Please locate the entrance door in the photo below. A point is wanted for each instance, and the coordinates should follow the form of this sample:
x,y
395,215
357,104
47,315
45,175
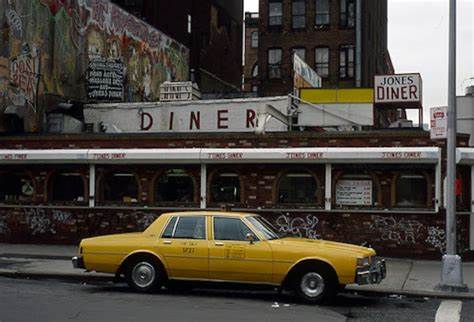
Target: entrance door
x,y
233,258
185,247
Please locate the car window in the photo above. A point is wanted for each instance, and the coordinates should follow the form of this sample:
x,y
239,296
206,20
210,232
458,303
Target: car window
x,y
191,228
230,229
168,233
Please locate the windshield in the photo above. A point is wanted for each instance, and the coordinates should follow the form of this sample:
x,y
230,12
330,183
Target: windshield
x,y
264,227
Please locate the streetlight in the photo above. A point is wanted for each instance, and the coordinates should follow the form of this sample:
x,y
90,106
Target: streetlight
x,y
451,275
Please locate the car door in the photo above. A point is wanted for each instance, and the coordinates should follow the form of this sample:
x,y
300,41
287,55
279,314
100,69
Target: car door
x,y
184,246
233,258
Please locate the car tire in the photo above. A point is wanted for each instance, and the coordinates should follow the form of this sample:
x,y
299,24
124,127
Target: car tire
x,y
144,275
316,285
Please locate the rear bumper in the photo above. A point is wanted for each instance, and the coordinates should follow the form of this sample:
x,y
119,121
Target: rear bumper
x,y
78,262
373,274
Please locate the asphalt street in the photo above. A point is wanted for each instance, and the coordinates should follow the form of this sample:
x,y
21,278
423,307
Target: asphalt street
x,y
54,300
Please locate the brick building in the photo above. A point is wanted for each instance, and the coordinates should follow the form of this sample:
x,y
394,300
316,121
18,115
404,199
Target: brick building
x,y
211,29
251,80
328,35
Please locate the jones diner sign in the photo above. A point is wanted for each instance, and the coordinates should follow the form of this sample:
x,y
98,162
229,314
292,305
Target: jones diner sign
x,y
403,89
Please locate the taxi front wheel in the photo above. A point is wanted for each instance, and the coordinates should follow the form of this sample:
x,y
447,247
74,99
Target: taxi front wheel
x,y
315,285
143,275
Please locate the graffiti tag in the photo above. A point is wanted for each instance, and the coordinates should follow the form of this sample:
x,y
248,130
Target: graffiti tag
x,y
402,231
301,227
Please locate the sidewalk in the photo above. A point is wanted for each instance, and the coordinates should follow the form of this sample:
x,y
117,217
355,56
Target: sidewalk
x,y
404,276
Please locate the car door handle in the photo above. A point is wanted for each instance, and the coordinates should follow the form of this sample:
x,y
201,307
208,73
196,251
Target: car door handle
x,y
219,244
167,242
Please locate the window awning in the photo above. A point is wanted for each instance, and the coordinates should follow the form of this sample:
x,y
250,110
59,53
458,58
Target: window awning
x,y
219,156
465,156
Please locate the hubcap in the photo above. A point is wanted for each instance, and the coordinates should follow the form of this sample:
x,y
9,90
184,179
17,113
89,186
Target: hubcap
x,y
143,274
312,284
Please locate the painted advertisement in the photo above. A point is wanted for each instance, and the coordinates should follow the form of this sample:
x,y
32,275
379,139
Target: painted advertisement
x,y
239,115
354,192
398,88
46,47
105,79
304,75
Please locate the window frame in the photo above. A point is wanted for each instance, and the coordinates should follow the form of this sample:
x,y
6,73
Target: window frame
x,y
324,14
294,50
160,174
175,227
348,65
328,63
101,186
253,41
248,225
50,187
318,204
429,193
254,74
270,16
274,66
344,17
299,15
216,174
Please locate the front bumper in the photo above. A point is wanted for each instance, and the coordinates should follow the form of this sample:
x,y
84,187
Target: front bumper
x,y
78,262
372,274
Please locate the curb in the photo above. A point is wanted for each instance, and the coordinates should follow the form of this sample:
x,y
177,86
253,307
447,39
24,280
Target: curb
x,y
413,293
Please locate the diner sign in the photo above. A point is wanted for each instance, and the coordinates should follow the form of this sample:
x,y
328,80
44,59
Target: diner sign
x,y
398,88
354,192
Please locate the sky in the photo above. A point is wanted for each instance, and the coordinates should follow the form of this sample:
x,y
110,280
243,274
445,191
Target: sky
x,y
418,42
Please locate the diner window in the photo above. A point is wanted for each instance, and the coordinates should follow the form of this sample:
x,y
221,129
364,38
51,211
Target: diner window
x,y
255,70
322,61
298,11
274,63
297,188
301,52
14,188
120,187
355,190
411,191
347,13
346,61
225,187
67,186
322,13
174,185
275,13
254,39
230,229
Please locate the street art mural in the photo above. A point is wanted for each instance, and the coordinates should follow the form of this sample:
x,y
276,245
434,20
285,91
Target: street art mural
x,y
46,47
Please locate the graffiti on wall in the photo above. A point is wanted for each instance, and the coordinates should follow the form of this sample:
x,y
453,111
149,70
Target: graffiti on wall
x,y
298,226
63,35
39,222
401,231
437,238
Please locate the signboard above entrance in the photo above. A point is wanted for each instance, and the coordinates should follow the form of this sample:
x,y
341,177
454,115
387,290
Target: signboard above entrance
x,y
404,90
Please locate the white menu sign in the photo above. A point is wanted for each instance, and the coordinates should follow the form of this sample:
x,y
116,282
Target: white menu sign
x,y
439,123
354,192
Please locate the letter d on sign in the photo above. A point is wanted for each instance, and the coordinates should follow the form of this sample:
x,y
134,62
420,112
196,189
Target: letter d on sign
x,y
146,121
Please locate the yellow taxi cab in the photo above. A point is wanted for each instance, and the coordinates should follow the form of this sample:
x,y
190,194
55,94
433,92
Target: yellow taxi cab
x,y
229,247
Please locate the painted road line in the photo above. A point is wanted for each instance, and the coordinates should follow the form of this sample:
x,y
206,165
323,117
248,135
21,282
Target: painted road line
x,y
449,311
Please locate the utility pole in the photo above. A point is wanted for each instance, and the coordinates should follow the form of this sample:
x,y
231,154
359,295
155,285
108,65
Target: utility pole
x,y
451,275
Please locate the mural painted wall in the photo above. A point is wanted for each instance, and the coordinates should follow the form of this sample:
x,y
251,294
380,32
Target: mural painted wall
x,y
46,47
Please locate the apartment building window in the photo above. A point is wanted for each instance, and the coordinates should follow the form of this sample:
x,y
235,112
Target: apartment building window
x,y
301,52
298,9
346,61
322,13
275,13
321,55
255,70
347,13
274,63
254,39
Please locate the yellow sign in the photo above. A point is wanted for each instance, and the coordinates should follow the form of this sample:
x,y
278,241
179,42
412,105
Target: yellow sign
x,y
334,96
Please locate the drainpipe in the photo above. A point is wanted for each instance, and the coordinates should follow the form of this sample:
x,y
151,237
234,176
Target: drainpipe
x,y
358,53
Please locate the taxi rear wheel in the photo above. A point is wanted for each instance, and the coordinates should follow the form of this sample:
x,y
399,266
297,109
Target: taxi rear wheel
x,y
315,285
143,275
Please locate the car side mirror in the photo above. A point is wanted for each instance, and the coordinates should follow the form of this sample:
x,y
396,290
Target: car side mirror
x,y
250,237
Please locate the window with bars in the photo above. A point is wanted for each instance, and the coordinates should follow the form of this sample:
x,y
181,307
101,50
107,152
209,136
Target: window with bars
x,y
298,11
274,63
347,13
321,55
346,61
275,13
322,17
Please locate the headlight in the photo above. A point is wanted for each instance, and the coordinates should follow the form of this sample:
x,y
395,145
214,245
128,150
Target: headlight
x,y
363,262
